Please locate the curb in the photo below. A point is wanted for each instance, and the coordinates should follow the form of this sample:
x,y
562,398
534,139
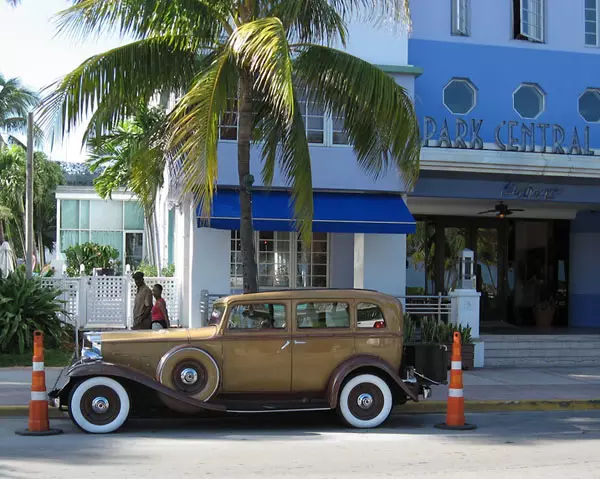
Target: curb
x,y
425,407
439,407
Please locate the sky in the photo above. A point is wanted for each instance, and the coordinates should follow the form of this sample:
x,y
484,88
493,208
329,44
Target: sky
x,y
31,51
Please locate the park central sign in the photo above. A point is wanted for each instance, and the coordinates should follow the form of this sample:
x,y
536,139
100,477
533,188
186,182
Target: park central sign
x,y
509,136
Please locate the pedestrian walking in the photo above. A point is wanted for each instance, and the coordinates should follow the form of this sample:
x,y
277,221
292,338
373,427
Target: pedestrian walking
x,y
142,307
160,315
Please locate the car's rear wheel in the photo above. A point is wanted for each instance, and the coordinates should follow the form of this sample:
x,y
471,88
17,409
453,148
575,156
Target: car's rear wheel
x,y
99,405
365,401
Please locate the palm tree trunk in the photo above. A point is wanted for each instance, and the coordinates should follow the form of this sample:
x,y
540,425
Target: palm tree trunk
x,y
246,230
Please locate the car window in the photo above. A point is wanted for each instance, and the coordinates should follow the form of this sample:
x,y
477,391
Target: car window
x,y
255,316
369,315
217,314
323,315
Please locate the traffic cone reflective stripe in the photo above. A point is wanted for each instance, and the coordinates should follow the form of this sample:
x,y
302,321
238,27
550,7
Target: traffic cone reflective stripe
x,y
38,424
455,415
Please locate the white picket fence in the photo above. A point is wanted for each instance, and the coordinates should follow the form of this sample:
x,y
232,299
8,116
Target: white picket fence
x,y
99,302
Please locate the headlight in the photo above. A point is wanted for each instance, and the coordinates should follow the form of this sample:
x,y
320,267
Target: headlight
x,y
92,346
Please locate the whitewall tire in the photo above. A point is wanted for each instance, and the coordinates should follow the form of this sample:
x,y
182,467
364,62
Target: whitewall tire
x,y
99,405
365,401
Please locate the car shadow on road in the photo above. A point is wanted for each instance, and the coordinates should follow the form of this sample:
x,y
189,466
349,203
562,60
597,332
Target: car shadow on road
x,y
76,447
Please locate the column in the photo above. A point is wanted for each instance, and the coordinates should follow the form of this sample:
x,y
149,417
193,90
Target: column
x,y
380,263
584,271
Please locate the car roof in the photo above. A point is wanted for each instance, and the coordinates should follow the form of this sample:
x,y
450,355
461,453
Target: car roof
x,y
309,293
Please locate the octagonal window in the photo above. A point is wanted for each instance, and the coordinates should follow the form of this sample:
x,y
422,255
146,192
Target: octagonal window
x,y
460,96
589,105
529,101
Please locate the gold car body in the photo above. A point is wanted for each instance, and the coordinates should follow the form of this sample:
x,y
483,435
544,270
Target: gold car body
x,y
287,359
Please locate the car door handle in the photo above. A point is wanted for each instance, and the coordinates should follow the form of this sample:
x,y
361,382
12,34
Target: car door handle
x,y
299,342
287,343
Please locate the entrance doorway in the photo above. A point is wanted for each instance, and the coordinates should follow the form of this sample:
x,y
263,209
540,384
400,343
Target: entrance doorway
x,y
521,265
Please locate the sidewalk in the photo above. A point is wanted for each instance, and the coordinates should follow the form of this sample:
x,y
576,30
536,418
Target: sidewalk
x,y
493,385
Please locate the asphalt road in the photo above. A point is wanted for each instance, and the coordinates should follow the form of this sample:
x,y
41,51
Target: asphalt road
x,y
506,445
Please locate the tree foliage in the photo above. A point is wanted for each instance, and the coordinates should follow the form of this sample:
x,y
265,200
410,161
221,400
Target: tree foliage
x,y
260,57
47,176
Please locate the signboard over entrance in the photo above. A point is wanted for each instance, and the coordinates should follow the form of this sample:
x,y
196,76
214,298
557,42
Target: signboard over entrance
x,y
509,136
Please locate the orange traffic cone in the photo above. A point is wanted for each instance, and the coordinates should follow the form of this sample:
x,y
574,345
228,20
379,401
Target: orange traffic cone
x,y
455,416
38,406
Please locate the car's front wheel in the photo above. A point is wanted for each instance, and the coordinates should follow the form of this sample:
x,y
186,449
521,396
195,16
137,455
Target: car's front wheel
x,y
99,405
365,401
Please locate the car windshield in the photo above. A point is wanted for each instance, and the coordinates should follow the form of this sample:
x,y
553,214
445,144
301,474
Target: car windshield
x,y
217,314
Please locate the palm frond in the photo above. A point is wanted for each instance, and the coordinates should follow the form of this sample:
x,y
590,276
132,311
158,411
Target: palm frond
x,y
391,12
286,146
15,99
115,83
193,128
189,22
312,21
378,113
261,47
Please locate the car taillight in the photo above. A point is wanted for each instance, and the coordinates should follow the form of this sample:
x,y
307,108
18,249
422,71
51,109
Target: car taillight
x,y
379,324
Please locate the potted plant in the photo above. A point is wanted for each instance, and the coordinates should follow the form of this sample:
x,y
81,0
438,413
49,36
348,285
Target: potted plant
x,y
429,353
467,345
544,310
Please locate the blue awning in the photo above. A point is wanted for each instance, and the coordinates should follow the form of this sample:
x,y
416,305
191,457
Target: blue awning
x,y
375,213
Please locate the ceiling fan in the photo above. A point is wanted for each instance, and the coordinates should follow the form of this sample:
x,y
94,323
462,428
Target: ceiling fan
x,y
501,210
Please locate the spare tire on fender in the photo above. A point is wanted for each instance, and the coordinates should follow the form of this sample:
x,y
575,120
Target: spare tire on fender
x,y
190,371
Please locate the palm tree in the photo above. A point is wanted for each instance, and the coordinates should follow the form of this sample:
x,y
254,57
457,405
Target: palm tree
x,y
257,56
15,102
133,156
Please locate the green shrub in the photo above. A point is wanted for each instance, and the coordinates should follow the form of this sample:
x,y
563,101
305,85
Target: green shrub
x,y
151,271
26,306
90,255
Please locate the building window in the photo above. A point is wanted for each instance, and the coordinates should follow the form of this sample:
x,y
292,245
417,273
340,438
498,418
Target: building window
x,y
228,126
323,315
119,224
311,271
589,105
278,255
529,19
591,23
460,96
461,17
322,128
313,115
529,101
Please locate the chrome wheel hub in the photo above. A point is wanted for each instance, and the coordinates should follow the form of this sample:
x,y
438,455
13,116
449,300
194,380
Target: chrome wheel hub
x,y
100,405
189,376
365,401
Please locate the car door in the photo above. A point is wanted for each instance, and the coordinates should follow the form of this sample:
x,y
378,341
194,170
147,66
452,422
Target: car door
x,y
257,353
322,338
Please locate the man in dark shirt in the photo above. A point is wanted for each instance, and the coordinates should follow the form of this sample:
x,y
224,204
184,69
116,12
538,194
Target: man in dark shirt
x,y
142,308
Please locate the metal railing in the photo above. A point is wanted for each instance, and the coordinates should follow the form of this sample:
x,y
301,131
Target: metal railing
x,y
437,306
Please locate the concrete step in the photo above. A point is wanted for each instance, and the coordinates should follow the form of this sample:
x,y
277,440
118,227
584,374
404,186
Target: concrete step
x,y
541,350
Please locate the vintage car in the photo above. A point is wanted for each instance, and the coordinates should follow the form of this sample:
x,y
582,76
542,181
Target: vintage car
x,y
300,350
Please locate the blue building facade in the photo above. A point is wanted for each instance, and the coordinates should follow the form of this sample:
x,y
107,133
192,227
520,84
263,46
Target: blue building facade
x,y
509,105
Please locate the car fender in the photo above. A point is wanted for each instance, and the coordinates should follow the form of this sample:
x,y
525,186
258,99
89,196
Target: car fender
x,y
364,360
101,368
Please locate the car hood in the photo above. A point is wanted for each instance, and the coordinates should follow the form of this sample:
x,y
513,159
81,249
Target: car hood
x,y
173,334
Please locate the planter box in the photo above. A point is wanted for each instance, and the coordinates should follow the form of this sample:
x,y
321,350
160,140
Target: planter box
x,y
468,355
428,359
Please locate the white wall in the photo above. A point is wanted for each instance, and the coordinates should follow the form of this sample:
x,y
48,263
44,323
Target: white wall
x,y
383,45
341,260
380,263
